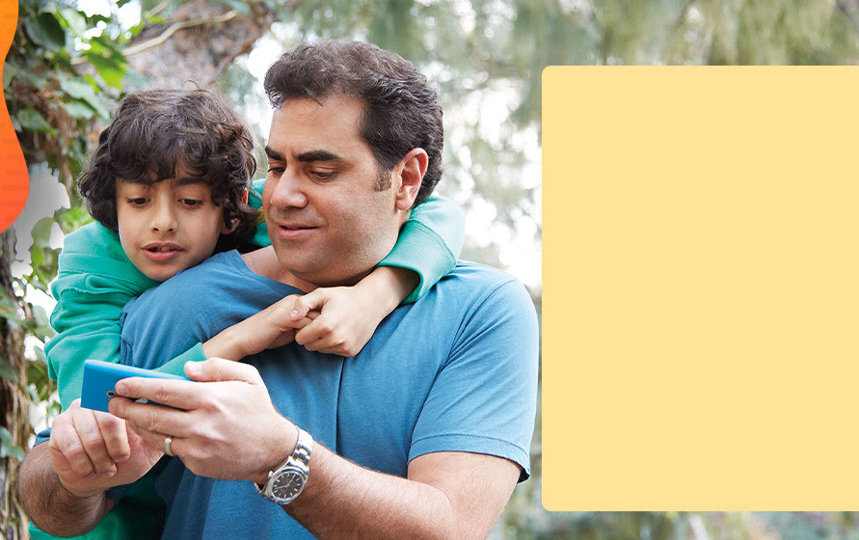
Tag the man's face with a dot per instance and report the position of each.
(328, 222)
(168, 226)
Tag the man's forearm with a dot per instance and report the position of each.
(49, 505)
(343, 500)
(448, 494)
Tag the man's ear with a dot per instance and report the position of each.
(411, 173)
(227, 229)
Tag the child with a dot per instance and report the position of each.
(168, 187)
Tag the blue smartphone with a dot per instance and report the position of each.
(100, 379)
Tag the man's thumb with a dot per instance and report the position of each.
(219, 369)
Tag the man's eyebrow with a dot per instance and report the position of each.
(277, 156)
(306, 157)
(318, 155)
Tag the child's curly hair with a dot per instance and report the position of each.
(156, 132)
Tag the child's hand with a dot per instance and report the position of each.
(348, 316)
(346, 320)
(275, 326)
(332, 320)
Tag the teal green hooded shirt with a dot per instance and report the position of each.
(95, 280)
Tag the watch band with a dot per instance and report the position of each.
(286, 483)
(303, 448)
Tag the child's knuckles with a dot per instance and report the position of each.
(325, 327)
(282, 312)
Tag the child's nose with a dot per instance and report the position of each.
(164, 220)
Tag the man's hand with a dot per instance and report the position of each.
(92, 451)
(224, 426)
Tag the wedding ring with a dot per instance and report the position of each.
(168, 444)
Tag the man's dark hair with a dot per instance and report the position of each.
(156, 132)
(401, 110)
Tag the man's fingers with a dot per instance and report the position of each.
(152, 439)
(68, 452)
(87, 427)
(218, 369)
(147, 417)
(115, 436)
(172, 392)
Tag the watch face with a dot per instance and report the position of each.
(288, 483)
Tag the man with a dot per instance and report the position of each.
(424, 433)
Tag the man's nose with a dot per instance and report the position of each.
(288, 192)
(163, 218)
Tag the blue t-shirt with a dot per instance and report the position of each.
(455, 371)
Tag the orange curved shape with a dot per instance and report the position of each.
(14, 182)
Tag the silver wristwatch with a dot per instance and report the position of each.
(287, 482)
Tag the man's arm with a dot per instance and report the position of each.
(63, 482)
(446, 494)
(52, 507)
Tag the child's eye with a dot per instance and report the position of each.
(139, 201)
(192, 202)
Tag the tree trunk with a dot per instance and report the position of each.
(201, 39)
(14, 402)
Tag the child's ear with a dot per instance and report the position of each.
(227, 229)
(410, 170)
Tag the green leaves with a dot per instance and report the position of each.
(73, 20)
(85, 91)
(9, 73)
(73, 219)
(7, 371)
(45, 30)
(107, 60)
(30, 120)
(8, 447)
(9, 313)
(80, 110)
(43, 258)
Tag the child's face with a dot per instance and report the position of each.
(168, 226)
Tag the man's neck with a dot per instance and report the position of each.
(264, 262)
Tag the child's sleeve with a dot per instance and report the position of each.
(430, 240)
(260, 238)
(94, 282)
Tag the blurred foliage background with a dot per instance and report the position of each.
(71, 61)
